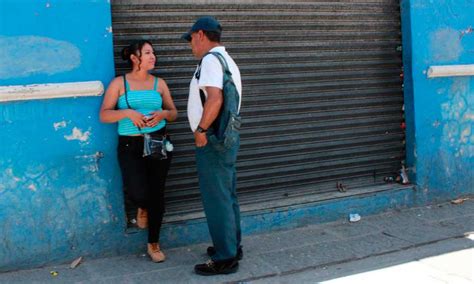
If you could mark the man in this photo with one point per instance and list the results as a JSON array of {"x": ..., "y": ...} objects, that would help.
[{"x": 215, "y": 165}]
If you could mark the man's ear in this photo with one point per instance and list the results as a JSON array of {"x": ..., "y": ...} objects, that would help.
[{"x": 201, "y": 34}]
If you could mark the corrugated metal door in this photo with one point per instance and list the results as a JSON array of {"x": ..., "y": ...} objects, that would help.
[{"x": 322, "y": 98}]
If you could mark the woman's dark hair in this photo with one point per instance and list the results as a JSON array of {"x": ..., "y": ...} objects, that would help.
[{"x": 134, "y": 48}]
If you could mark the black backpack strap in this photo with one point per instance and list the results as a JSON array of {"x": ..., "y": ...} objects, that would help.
[
  {"x": 125, "y": 88},
  {"x": 225, "y": 66},
  {"x": 225, "y": 69},
  {"x": 197, "y": 74}
]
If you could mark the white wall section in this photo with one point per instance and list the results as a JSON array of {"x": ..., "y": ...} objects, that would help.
[{"x": 50, "y": 91}]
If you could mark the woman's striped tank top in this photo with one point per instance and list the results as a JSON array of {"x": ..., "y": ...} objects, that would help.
[{"x": 143, "y": 101}]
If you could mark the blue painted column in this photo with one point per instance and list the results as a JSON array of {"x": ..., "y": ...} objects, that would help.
[
  {"x": 439, "y": 111},
  {"x": 60, "y": 186}
]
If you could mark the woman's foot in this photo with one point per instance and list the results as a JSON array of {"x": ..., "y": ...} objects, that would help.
[
  {"x": 142, "y": 218},
  {"x": 155, "y": 252}
]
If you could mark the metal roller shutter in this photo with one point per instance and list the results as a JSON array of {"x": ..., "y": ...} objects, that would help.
[{"x": 322, "y": 93}]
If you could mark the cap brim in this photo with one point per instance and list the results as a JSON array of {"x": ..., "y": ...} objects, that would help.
[{"x": 186, "y": 36}]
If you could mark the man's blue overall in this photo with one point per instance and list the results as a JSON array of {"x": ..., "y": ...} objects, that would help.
[
  {"x": 217, "y": 183},
  {"x": 217, "y": 173}
]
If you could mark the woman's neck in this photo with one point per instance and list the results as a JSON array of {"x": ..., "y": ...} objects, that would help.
[{"x": 140, "y": 75}]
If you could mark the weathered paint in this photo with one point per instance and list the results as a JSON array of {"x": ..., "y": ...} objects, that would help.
[
  {"x": 60, "y": 189},
  {"x": 23, "y": 56},
  {"x": 440, "y": 149},
  {"x": 55, "y": 41},
  {"x": 59, "y": 125}
]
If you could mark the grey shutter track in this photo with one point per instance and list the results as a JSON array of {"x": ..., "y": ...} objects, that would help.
[{"x": 322, "y": 93}]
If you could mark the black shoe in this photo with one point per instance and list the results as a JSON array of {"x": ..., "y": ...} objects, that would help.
[
  {"x": 217, "y": 267},
  {"x": 240, "y": 254}
]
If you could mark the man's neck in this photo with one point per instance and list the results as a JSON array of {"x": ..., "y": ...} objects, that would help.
[{"x": 212, "y": 45}]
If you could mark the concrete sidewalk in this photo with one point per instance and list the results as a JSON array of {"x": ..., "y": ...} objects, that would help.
[{"x": 433, "y": 244}]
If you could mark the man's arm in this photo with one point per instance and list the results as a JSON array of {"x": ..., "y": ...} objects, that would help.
[{"x": 211, "y": 110}]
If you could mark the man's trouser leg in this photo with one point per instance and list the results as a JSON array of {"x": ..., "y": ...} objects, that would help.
[
  {"x": 216, "y": 170},
  {"x": 236, "y": 207}
]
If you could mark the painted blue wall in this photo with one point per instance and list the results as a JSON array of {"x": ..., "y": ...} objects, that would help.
[
  {"x": 60, "y": 188},
  {"x": 439, "y": 111},
  {"x": 48, "y": 41}
]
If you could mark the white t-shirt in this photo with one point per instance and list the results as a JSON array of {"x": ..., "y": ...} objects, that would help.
[{"x": 211, "y": 76}]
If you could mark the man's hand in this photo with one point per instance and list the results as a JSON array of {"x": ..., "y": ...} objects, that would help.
[
  {"x": 200, "y": 139},
  {"x": 210, "y": 112}
]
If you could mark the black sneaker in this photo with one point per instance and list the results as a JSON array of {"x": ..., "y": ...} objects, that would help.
[
  {"x": 217, "y": 267},
  {"x": 240, "y": 254}
]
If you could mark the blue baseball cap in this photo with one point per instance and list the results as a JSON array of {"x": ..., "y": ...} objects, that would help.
[{"x": 206, "y": 23}]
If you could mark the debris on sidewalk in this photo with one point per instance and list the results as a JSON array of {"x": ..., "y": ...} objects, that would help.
[
  {"x": 53, "y": 273},
  {"x": 388, "y": 179},
  {"x": 340, "y": 187},
  {"x": 75, "y": 263},
  {"x": 459, "y": 200},
  {"x": 404, "y": 176},
  {"x": 469, "y": 235},
  {"x": 354, "y": 218}
]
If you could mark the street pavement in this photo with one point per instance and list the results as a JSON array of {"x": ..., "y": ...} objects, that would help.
[{"x": 432, "y": 244}]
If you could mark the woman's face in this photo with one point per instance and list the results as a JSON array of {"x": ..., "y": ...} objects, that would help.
[{"x": 148, "y": 58}]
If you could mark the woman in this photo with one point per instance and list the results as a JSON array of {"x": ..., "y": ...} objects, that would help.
[{"x": 142, "y": 105}]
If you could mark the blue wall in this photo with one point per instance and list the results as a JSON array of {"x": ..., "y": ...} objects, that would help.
[
  {"x": 440, "y": 111},
  {"x": 60, "y": 194}
]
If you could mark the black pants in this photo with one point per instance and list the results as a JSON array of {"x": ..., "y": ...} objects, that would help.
[{"x": 144, "y": 178}]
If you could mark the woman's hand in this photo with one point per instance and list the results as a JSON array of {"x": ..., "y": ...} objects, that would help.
[
  {"x": 138, "y": 119},
  {"x": 155, "y": 117}
]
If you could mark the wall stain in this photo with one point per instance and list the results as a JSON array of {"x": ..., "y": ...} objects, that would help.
[
  {"x": 84, "y": 207},
  {"x": 9, "y": 180},
  {"x": 458, "y": 114},
  {"x": 466, "y": 32},
  {"x": 32, "y": 187},
  {"x": 59, "y": 125},
  {"x": 77, "y": 134},
  {"x": 92, "y": 161},
  {"x": 23, "y": 56},
  {"x": 445, "y": 45}
]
